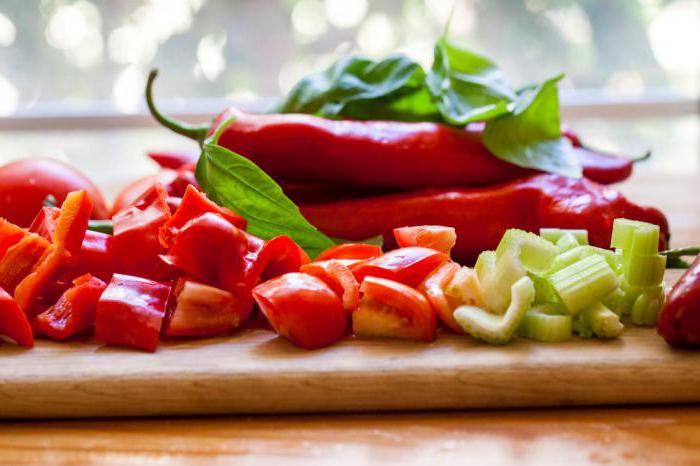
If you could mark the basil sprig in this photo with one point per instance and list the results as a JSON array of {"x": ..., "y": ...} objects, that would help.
[
  {"x": 233, "y": 181},
  {"x": 522, "y": 127}
]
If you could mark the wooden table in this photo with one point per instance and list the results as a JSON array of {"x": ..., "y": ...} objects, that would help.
[{"x": 643, "y": 435}]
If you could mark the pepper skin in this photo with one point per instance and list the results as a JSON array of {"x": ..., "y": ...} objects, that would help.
[
  {"x": 482, "y": 215},
  {"x": 679, "y": 322},
  {"x": 380, "y": 154}
]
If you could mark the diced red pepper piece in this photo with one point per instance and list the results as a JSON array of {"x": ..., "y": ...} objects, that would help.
[
  {"x": 13, "y": 321},
  {"x": 193, "y": 204},
  {"x": 198, "y": 310},
  {"x": 72, "y": 222},
  {"x": 96, "y": 256},
  {"x": 44, "y": 223},
  {"x": 173, "y": 160},
  {"x": 339, "y": 277},
  {"x": 350, "y": 251},
  {"x": 136, "y": 230},
  {"x": 409, "y": 266},
  {"x": 435, "y": 237},
  {"x": 20, "y": 260},
  {"x": 74, "y": 312},
  {"x": 130, "y": 312},
  {"x": 302, "y": 309},
  {"x": 10, "y": 235}
]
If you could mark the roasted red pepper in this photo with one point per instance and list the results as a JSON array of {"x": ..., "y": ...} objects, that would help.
[
  {"x": 481, "y": 215},
  {"x": 130, "y": 312},
  {"x": 74, "y": 312},
  {"x": 679, "y": 322},
  {"x": 13, "y": 321},
  {"x": 136, "y": 235}
]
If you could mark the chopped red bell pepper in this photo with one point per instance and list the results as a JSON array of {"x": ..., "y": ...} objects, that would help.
[
  {"x": 130, "y": 312},
  {"x": 302, "y": 309},
  {"x": 350, "y": 251},
  {"x": 339, "y": 277},
  {"x": 74, "y": 312},
  {"x": 44, "y": 223},
  {"x": 198, "y": 310},
  {"x": 136, "y": 230},
  {"x": 13, "y": 321},
  {"x": 409, "y": 266},
  {"x": 20, "y": 260},
  {"x": 173, "y": 160},
  {"x": 10, "y": 234},
  {"x": 193, "y": 204}
]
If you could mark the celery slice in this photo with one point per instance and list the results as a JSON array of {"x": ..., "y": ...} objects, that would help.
[
  {"x": 497, "y": 329},
  {"x": 544, "y": 291},
  {"x": 645, "y": 309},
  {"x": 518, "y": 253},
  {"x": 565, "y": 242},
  {"x": 624, "y": 231},
  {"x": 584, "y": 282},
  {"x": 542, "y": 326},
  {"x": 644, "y": 271},
  {"x": 617, "y": 301},
  {"x": 554, "y": 234},
  {"x": 576, "y": 254},
  {"x": 464, "y": 288},
  {"x": 598, "y": 320}
]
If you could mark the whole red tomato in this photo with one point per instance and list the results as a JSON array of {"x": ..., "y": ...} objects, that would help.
[{"x": 24, "y": 184}]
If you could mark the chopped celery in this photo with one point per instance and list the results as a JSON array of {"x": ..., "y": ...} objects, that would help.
[
  {"x": 617, "y": 302},
  {"x": 518, "y": 253},
  {"x": 573, "y": 255},
  {"x": 584, "y": 282},
  {"x": 493, "y": 328},
  {"x": 644, "y": 270},
  {"x": 598, "y": 320},
  {"x": 565, "y": 242},
  {"x": 645, "y": 309},
  {"x": 625, "y": 231},
  {"x": 544, "y": 292},
  {"x": 464, "y": 288},
  {"x": 542, "y": 326},
  {"x": 554, "y": 234}
]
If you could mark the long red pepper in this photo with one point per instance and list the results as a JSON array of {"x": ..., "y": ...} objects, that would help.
[
  {"x": 370, "y": 154},
  {"x": 679, "y": 322},
  {"x": 482, "y": 215}
]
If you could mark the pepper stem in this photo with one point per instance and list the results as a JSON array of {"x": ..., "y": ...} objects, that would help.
[{"x": 196, "y": 132}]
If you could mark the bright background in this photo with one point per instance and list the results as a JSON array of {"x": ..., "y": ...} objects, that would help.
[{"x": 72, "y": 72}]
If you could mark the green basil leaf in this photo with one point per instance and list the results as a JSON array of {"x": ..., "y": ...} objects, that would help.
[
  {"x": 235, "y": 182},
  {"x": 530, "y": 136},
  {"x": 362, "y": 88},
  {"x": 466, "y": 86}
]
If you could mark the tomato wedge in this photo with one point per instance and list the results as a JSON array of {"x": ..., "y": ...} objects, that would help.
[
  {"x": 74, "y": 312},
  {"x": 302, "y": 309},
  {"x": 339, "y": 277},
  {"x": 13, "y": 321},
  {"x": 409, "y": 266},
  {"x": 434, "y": 289},
  {"x": 198, "y": 310},
  {"x": 392, "y": 309},
  {"x": 350, "y": 251},
  {"x": 435, "y": 237}
]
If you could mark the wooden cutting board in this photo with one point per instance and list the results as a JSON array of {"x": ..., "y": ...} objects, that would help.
[{"x": 254, "y": 371}]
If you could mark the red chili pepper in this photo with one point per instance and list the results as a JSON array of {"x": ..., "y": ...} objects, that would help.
[
  {"x": 193, "y": 204},
  {"x": 198, "y": 310},
  {"x": 367, "y": 154},
  {"x": 130, "y": 312},
  {"x": 14, "y": 322},
  {"x": 679, "y": 322},
  {"x": 481, "y": 215},
  {"x": 136, "y": 231},
  {"x": 74, "y": 312}
]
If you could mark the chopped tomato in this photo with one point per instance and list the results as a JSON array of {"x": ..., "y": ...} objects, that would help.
[
  {"x": 212, "y": 251},
  {"x": 302, "y": 309},
  {"x": 434, "y": 288},
  {"x": 13, "y": 321},
  {"x": 435, "y": 237},
  {"x": 74, "y": 312},
  {"x": 193, "y": 204},
  {"x": 136, "y": 229},
  {"x": 339, "y": 277},
  {"x": 130, "y": 312},
  {"x": 350, "y": 251},
  {"x": 274, "y": 257},
  {"x": 409, "y": 266},
  {"x": 198, "y": 310},
  {"x": 392, "y": 309}
]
